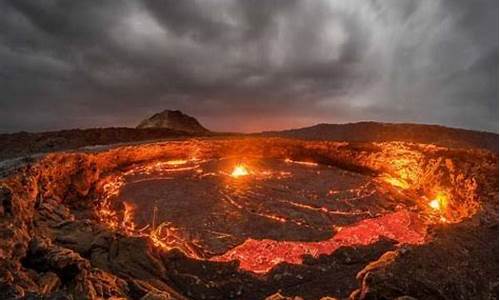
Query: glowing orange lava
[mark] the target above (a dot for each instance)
(439, 207)
(239, 171)
(304, 163)
(176, 162)
(128, 224)
(260, 256)
(167, 237)
(400, 183)
(435, 204)
(438, 203)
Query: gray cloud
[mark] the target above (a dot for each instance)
(248, 65)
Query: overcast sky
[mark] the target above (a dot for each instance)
(248, 65)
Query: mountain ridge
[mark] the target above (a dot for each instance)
(371, 131)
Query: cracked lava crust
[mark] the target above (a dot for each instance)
(252, 218)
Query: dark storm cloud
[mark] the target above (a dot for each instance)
(248, 65)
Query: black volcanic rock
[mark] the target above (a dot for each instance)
(28, 143)
(173, 119)
(53, 244)
(388, 132)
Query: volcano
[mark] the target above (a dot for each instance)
(249, 150)
(175, 120)
(245, 217)
(251, 217)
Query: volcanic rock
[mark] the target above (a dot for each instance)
(21, 144)
(173, 119)
(57, 242)
(389, 132)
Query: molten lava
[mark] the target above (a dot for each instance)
(304, 163)
(435, 204)
(128, 224)
(239, 171)
(287, 194)
(438, 203)
(439, 208)
(397, 182)
(260, 256)
(128, 209)
(176, 162)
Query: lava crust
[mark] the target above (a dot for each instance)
(252, 218)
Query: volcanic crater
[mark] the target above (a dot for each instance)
(250, 218)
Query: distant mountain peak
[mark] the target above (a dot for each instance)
(173, 119)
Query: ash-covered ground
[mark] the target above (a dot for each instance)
(307, 219)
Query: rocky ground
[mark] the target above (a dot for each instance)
(403, 132)
(24, 144)
(56, 243)
(168, 124)
(174, 124)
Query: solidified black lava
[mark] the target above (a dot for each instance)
(278, 200)
(55, 241)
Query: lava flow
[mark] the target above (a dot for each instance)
(239, 170)
(303, 210)
(245, 218)
(260, 256)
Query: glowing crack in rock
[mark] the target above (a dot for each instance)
(397, 182)
(282, 193)
(260, 256)
(304, 163)
(176, 162)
